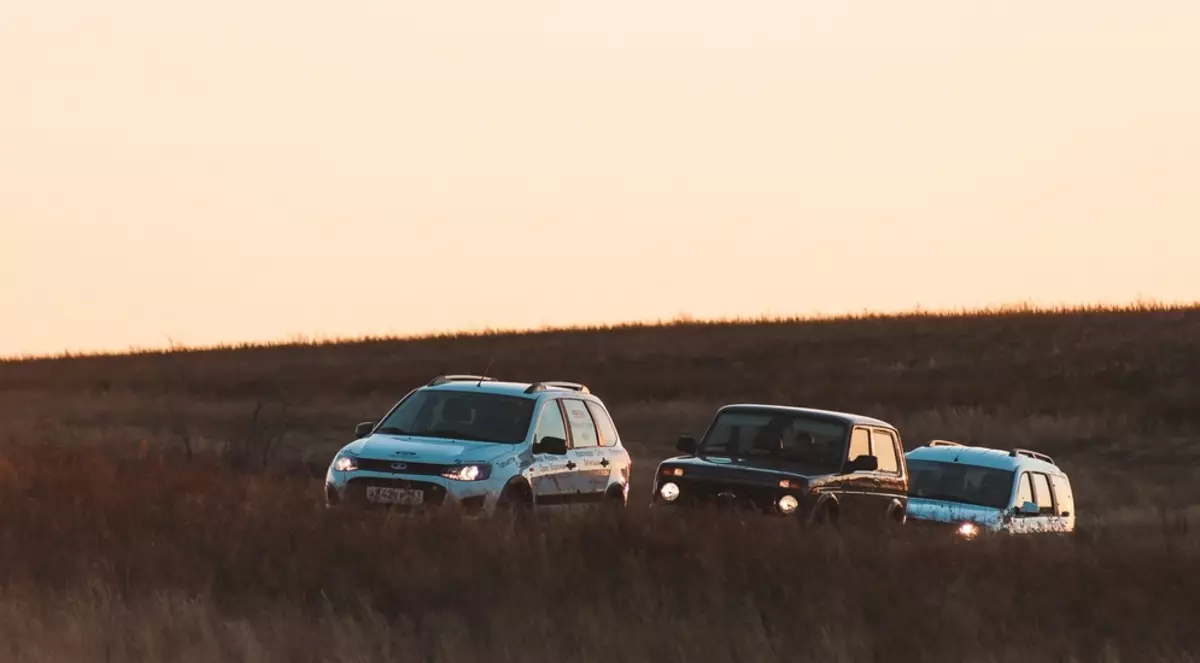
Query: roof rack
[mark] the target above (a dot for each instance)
(545, 386)
(443, 379)
(943, 443)
(1031, 454)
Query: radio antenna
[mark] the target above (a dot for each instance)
(485, 371)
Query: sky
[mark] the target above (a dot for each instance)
(253, 170)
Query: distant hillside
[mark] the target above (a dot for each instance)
(1141, 363)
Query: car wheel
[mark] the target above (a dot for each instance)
(826, 516)
(515, 500)
(614, 499)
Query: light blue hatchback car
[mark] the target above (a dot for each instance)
(973, 490)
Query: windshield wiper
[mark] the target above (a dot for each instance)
(392, 430)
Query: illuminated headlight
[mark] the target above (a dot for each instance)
(345, 463)
(468, 472)
(968, 530)
(669, 491)
(788, 504)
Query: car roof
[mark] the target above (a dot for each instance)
(846, 417)
(505, 388)
(984, 457)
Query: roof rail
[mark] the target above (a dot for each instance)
(1031, 454)
(443, 379)
(545, 386)
(943, 443)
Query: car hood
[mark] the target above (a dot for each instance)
(746, 469)
(943, 511)
(427, 449)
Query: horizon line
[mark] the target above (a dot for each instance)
(1139, 305)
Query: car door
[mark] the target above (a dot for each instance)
(855, 490)
(1064, 502)
(587, 478)
(1033, 487)
(550, 474)
(614, 461)
(889, 488)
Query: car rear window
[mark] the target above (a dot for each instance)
(583, 429)
(608, 431)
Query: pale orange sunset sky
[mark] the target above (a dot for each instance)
(252, 169)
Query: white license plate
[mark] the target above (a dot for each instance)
(386, 495)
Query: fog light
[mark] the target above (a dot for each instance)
(788, 504)
(968, 530)
(669, 491)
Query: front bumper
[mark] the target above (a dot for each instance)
(715, 493)
(439, 493)
(964, 530)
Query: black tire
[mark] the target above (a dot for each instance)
(614, 499)
(515, 500)
(826, 515)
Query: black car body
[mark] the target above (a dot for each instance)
(815, 465)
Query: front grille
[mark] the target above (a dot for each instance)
(717, 493)
(356, 491)
(376, 465)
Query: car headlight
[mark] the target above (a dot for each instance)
(468, 472)
(345, 463)
(968, 530)
(669, 491)
(788, 504)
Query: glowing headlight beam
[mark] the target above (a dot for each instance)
(788, 504)
(465, 473)
(669, 491)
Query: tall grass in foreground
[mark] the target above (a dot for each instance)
(126, 559)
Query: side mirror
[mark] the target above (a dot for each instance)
(1029, 509)
(863, 463)
(686, 444)
(364, 429)
(550, 445)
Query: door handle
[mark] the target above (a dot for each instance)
(604, 463)
(570, 465)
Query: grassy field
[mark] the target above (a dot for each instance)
(166, 505)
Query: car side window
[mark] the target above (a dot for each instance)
(1041, 491)
(551, 423)
(608, 431)
(883, 447)
(1063, 495)
(1024, 490)
(583, 429)
(860, 444)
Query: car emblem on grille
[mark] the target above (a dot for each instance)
(399, 466)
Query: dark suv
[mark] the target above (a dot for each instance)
(816, 465)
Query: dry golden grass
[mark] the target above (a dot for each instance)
(115, 546)
(147, 560)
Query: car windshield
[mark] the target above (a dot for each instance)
(460, 415)
(958, 482)
(816, 445)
